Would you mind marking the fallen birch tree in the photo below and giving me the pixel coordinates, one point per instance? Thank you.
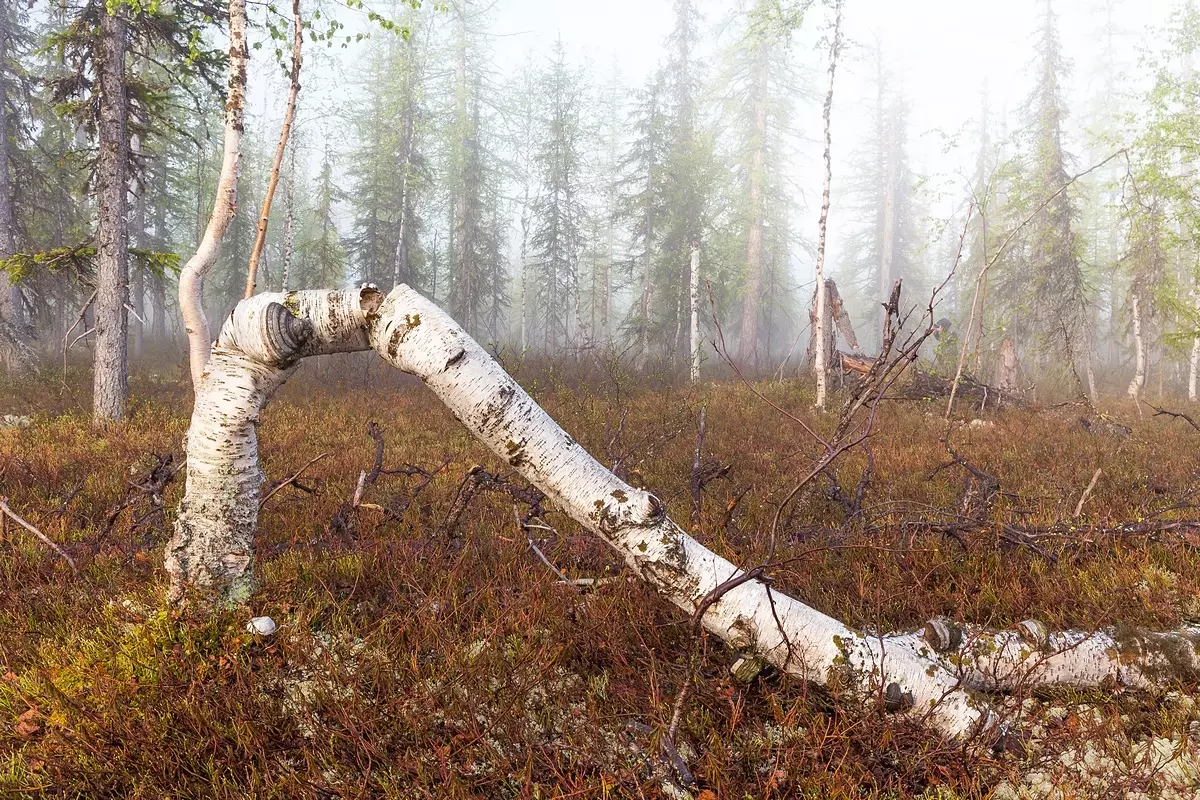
(938, 675)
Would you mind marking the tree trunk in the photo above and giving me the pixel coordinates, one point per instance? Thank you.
(694, 339)
(934, 673)
(752, 292)
(1008, 371)
(264, 217)
(191, 279)
(10, 296)
(821, 330)
(137, 188)
(1194, 358)
(1139, 347)
(289, 218)
(157, 281)
(110, 384)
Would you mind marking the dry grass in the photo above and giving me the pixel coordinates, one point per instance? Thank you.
(416, 661)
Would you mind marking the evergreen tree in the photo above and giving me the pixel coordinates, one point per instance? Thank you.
(1047, 290)
(321, 256)
(559, 217)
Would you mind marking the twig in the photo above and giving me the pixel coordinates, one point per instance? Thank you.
(83, 335)
(290, 480)
(1087, 493)
(4, 507)
(523, 526)
(1163, 412)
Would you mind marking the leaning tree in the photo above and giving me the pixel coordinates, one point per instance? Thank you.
(941, 674)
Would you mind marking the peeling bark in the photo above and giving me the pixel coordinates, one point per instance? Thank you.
(258, 348)
(1139, 345)
(266, 336)
(936, 674)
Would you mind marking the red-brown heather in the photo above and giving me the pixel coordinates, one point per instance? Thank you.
(424, 650)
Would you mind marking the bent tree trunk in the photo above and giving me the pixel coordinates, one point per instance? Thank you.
(935, 675)
(191, 278)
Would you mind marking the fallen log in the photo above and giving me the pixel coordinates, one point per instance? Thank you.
(927, 386)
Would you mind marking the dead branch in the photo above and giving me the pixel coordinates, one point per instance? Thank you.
(1163, 412)
(289, 481)
(1083, 498)
(7, 510)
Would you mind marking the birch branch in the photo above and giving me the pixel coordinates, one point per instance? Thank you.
(264, 216)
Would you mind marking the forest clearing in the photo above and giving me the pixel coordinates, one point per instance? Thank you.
(425, 650)
(750, 418)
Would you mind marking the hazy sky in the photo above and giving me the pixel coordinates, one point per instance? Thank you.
(943, 52)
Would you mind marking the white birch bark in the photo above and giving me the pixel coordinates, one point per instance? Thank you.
(211, 551)
(820, 329)
(289, 219)
(1139, 346)
(933, 673)
(1194, 358)
(694, 339)
(191, 278)
(259, 345)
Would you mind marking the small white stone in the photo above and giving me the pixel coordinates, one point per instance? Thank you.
(263, 626)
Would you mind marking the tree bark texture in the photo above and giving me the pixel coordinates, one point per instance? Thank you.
(821, 332)
(1139, 348)
(935, 674)
(110, 383)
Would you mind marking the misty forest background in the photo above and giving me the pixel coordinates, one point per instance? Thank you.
(551, 203)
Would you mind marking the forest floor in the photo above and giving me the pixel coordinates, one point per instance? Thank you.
(425, 650)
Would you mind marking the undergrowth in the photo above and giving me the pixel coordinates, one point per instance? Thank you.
(423, 657)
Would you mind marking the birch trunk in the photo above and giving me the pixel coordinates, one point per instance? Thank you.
(110, 384)
(694, 339)
(289, 218)
(934, 673)
(264, 217)
(821, 330)
(1194, 358)
(191, 279)
(1139, 346)
(260, 344)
